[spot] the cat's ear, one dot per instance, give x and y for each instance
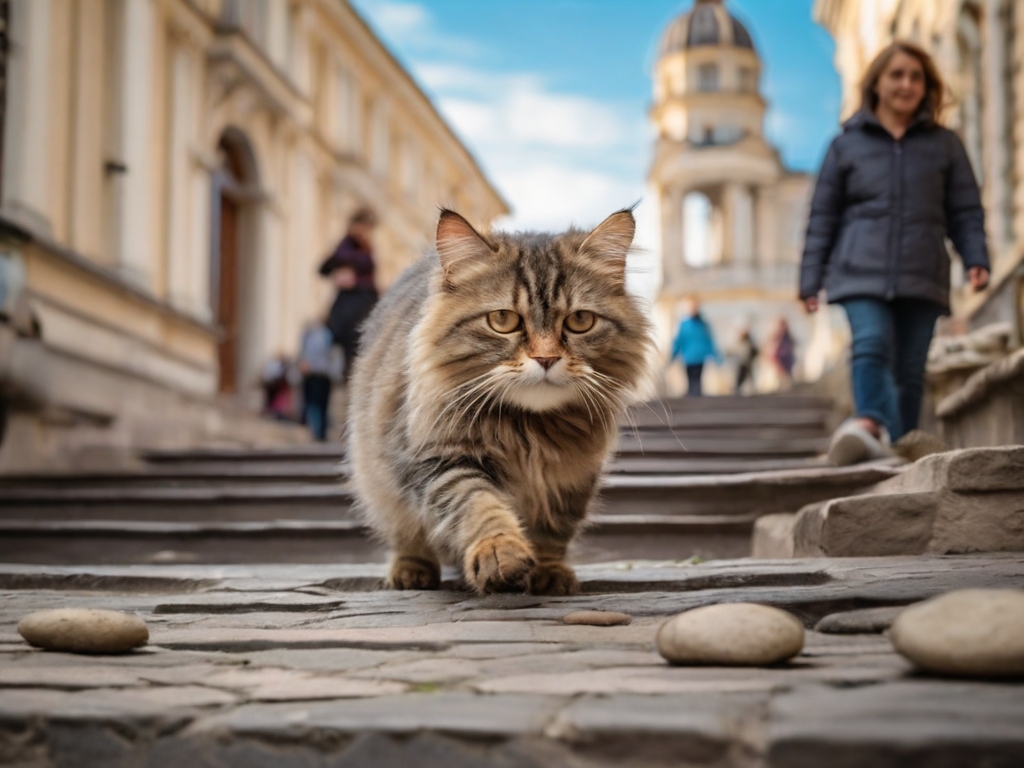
(459, 245)
(609, 243)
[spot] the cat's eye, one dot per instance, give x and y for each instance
(581, 321)
(503, 320)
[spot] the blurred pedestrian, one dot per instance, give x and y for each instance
(694, 345)
(783, 353)
(277, 379)
(893, 186)
(746, 355)
(315, 365)
(351, 269)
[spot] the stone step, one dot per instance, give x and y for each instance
(655, 415)
(674, 465)
(607, 538)
(732, 494)
(198, 474)
(334, 472)
(190, 473)
(961, 501)
(668, 444)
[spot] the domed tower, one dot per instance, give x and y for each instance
(709, 115)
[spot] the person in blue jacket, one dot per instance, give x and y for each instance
(694, 345)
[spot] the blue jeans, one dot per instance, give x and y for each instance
(316, 390)
(890, 348)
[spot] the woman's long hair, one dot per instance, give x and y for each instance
(934, 87)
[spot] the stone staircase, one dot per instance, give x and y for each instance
(689, 479)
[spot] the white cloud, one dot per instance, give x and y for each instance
(558, 157)
(409, 26)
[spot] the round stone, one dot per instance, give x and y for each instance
(969, 633)
(731, 634)
(597, 618)
(84, 630)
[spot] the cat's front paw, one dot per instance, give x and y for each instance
(409, 572)
(499, 563)
(553, 579)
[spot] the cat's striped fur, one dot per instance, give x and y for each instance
(484, 448)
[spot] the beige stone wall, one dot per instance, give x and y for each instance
(115, 112)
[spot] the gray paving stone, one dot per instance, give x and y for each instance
(68, 678)
(493, 681)
(455, 713)
(855, 622)
(627, 728)
(903, 724)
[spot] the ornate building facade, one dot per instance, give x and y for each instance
(173, 172)
(979, 47)
(711, 150)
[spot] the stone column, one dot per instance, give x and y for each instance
(133, 144)
(994, 125)
(26, 156)
(1017, 55)
(766, 230)
(183, 97)
(739, 224)
(673, 261)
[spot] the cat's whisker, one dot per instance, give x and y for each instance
(472, 387)
(579, 387)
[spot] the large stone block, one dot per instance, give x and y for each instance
(972, 470)
(939, 522)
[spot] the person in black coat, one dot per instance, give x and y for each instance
(893, 187)
(352, 270)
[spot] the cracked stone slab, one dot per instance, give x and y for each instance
(458, 713)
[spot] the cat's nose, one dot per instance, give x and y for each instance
(547, 362)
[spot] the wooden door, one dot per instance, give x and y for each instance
(227, 295)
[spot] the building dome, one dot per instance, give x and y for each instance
(707, 23)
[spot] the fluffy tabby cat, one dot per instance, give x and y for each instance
(486, 399)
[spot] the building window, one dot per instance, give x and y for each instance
(380, 139)
(343, 109)
(707, 77)
(748, 80)
(971, 93)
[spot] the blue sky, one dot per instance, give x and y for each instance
(551, 96)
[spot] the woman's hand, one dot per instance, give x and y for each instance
(979, 278)
(811, 304)
(344, 278)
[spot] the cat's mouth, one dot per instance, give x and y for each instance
(545, 394)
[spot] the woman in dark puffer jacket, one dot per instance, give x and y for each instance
(894, 185)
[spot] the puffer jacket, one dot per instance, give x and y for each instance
(694, 343)
(882, 211)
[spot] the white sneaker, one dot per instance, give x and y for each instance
(852, 444)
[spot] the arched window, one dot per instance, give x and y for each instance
(697, 214)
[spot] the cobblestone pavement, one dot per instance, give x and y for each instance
(311, 666)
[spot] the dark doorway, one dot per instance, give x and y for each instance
(227, 295)
(232, 186)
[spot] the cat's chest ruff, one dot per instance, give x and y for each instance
(541, 465)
